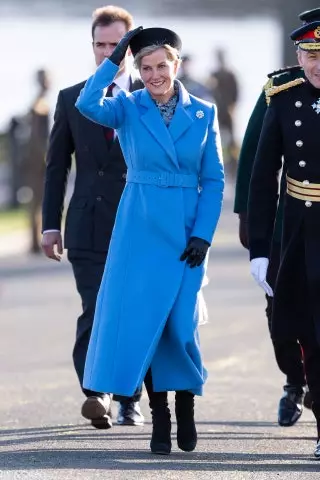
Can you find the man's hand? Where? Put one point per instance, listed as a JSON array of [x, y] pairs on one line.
[[49, 241], [243, 230], [259, 268]]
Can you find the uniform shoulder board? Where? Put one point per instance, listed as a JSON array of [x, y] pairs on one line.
[[266, 88], [280, 88], [294, 68]]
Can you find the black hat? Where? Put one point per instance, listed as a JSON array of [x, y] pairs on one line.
[[154, 36], [310, 15], [307, 37]]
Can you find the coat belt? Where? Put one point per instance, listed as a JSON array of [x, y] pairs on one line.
[[303, 190], [163, 179]]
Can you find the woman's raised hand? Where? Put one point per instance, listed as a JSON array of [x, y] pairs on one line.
[[119, 52]]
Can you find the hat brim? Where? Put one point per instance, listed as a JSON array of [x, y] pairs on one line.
[[304, 29], [154, 36]]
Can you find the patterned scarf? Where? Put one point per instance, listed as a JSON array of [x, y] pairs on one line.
[[167, 109]]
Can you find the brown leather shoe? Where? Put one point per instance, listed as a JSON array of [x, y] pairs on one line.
[[98, 410]]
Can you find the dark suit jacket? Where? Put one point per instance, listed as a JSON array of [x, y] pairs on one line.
[[100, 176]]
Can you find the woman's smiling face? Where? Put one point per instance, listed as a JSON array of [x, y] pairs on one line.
[[158, 73]]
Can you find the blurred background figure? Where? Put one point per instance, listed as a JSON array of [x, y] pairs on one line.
[[191, 84], [224, 88], [33, 168]]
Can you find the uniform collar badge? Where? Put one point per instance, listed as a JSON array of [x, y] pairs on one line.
[[200, 113], [316, 106]]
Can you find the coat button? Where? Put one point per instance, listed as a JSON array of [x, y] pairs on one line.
[[305, 182], [302, 163], [299, 143], [124, 176], [101, 173], [308, 203], [298, 123], [298, 104], [99, 199]]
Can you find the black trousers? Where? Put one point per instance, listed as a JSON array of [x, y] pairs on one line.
[[88, 267], [294, 298], [288, 353]]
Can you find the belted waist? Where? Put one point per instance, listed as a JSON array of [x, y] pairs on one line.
[[163, 179], [305, 190]]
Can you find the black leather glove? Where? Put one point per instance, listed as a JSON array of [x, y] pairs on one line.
[[119, 52], [195, 252], [243, 230]]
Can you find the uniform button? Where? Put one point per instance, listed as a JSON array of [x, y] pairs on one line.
[[124, 176], [299, 143], [101, 173], [302, 163], [308, 203], [298, 104], [298, 123], [99, 199], [305, 182]]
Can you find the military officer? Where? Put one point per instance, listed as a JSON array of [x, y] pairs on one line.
[[290, 405], [289, 359], [290, 129]]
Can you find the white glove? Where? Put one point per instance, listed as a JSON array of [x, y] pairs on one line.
[[259, 267]]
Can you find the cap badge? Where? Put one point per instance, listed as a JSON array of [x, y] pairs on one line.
[[316, 106], [317, 32]]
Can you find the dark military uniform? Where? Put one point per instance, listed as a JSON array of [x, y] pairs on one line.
[[288, 354], [252, 135], [290, 130]]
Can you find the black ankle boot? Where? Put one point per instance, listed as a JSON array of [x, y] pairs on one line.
[[161, 427], [161, 422], [186, 429], [161, 418]]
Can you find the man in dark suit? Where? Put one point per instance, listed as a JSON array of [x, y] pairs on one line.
[[100, 179]]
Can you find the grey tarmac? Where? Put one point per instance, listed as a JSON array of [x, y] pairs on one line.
[[44, 437]]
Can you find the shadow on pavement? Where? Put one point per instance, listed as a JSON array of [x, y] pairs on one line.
[[140, 458], [90, 459]]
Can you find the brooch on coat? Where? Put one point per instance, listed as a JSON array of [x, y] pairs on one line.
[[316, 106], [199, 114]]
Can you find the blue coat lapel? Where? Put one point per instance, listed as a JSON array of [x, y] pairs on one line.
[[156, 126], [182, 120]]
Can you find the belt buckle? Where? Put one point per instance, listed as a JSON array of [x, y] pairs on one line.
[[163, 180]]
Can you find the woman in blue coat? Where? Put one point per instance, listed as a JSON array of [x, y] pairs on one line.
[[149, 303]]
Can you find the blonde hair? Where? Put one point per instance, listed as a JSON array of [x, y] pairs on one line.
[[172, 53]]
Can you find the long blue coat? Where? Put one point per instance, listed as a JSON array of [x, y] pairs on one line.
[[147, 309]]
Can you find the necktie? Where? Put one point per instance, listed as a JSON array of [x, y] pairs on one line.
[[108, 131]]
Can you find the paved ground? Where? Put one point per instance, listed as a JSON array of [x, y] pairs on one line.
[[42, 435]]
